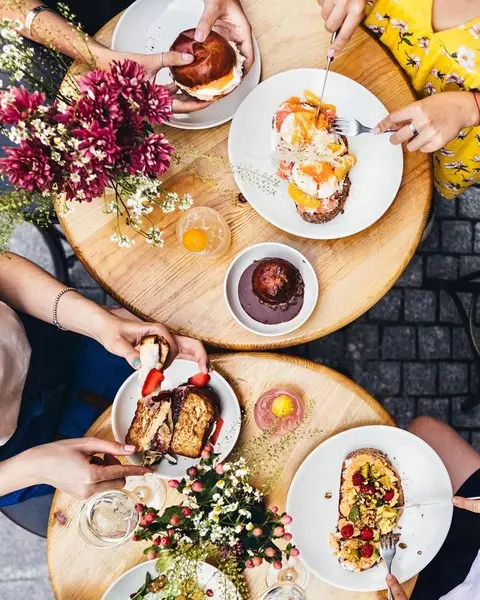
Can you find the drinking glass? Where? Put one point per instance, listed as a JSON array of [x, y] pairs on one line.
[[109, 518], [203, 231], [292, 572], [284, 591]]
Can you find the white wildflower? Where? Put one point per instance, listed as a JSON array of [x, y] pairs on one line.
[[249, 526], [465, 58], [221, 483]]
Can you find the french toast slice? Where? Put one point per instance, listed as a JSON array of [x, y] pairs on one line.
[[194, 422], [324, 216]]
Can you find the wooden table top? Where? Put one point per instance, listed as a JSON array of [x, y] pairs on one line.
[[183, 291], [333, 404]]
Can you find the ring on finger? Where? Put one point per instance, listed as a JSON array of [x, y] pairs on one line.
[[413, 129]]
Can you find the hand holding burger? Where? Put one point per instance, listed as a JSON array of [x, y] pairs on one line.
[[229, 20]]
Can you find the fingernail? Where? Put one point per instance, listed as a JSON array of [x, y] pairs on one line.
[[136, 362], [455, 501], [389, 578], [376, 130], [187, 57], [199, 36], [129, 448], [331, 53]]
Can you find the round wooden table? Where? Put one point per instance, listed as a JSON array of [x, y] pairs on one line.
[[333, 404], [183, 291]]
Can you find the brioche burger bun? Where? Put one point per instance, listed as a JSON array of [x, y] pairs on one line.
[[217, 68]]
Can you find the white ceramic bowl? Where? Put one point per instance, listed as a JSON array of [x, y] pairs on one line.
[[243, 260]]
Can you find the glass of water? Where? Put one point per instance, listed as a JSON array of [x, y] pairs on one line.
[[109, 518], [284, 591]]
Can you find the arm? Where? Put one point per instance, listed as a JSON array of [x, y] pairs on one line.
[[68, 466], [29, 289], [52, 30]]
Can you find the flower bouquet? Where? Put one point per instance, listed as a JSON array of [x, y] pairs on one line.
[[95, 136], [223, 517]]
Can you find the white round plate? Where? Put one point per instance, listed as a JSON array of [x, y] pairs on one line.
[[125, 404], [266, 250], [375, 178], [207, 576], [151, 26], [424, 479]]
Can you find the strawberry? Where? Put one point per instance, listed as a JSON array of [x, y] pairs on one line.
[[152, 382], [389, 495], [358, 478], [199, 380], [216, 433], [347, 531], [366, 533], [367, 550]]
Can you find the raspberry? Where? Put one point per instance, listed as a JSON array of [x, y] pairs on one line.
[[367, 550], [347, 531], [358, 479], [389, 495], [366, 533], [367, 488]]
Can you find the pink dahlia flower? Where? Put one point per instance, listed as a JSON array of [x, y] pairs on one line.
[[98, 142], [126, 78], [152, 157], [156, 104], [17, 104], [105, 109], [28, 166]]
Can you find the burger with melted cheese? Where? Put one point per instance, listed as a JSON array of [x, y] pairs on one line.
[[217, 68]]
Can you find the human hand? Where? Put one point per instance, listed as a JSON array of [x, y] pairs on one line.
[[229, 20], [395, 588], [122, 336], [438, 119], [70, 466], [343, 16], [466, 504]]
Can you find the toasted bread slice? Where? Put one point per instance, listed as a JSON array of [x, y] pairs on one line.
[[148, 421], [374, 503], [322, 216], [194, 423]]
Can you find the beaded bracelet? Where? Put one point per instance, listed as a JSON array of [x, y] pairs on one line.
[[55, 307]]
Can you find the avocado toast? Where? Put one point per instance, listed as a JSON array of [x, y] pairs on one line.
[[370, 505]]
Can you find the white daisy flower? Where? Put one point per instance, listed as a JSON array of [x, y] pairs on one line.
[[475, 30], [465, 58]]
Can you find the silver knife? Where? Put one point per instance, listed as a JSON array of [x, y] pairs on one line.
[[329, 62]]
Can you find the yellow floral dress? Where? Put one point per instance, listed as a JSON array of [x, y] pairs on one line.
[[435, 62]]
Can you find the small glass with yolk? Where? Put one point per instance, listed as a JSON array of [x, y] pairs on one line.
[[204, 232]]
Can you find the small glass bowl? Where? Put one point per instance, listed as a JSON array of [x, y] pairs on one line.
[[212, 223], [267, 421]]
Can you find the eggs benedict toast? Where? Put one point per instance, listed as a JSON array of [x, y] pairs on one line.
[[313, 159], [371, 501]]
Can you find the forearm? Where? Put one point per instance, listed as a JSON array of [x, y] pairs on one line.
[[29, 289], [52, 30], [17, 473]]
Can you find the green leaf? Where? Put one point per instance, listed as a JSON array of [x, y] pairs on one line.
[[354, 513], [407, 41]]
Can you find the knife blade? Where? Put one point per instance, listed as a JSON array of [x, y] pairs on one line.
[[327, 71]]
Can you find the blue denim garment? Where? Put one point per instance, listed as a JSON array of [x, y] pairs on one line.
[[62, 365]]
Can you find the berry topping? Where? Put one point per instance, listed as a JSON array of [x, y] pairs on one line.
[[389, 495], [358, 479], [366, 533], [367, 488], [367, 550], [347, 531]]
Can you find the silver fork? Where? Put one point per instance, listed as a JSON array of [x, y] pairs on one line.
[[352, 127], [388, 547]]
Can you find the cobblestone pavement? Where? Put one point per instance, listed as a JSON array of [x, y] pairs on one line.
[[409, 351]]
